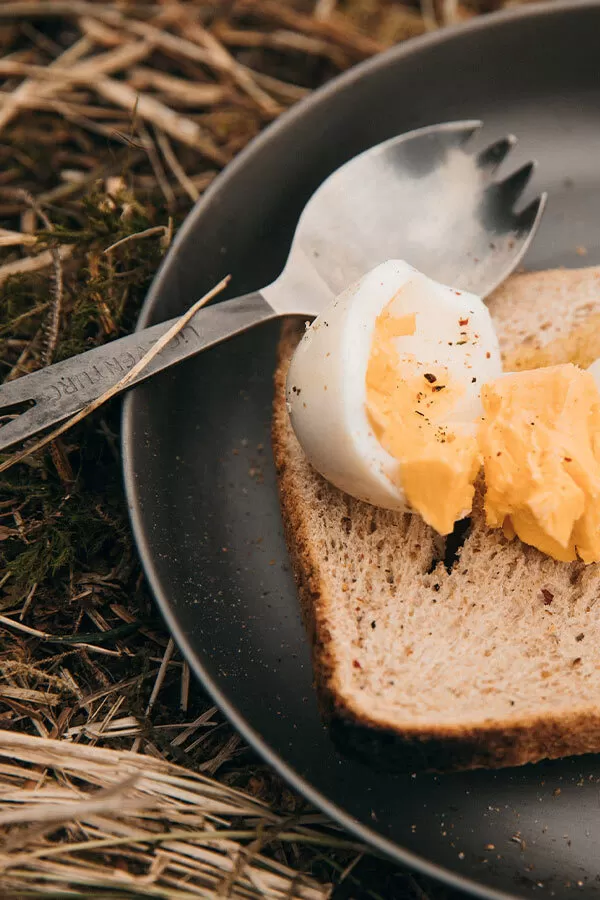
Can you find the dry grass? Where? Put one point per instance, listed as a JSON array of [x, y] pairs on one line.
[[85, 818], [118, 776]]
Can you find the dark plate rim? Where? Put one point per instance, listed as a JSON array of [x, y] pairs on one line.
[[415, 45]]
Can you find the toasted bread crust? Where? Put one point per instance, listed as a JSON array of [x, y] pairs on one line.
[[377, 739], [303, 555]]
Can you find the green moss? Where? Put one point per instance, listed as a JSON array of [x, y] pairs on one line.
[[65, 527], [18, 295]]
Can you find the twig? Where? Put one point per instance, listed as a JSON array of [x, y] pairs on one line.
[[51, 334], [27, 696], [283, 89], [200, 182], [220, 58], [60, 71], [175, 166], [203, 720], [30, 87], [185, 687], [148, 232], [47, 80], [161, 676], [204, 835], [98, 172], [28, 601], [205, 50], [324, 9], [126, 616], [116, 60], [15, 238], [226, 752], [41, 40], [343, 34], [104, 725], [19, 367], [156, 688], [88, 699], [70, 8], [285, 40], [450, 12], [33, 263], [121, 385], [80, 113], [157, 166], [179, 89], [52, 326], [102, 800], [351, 865], [78, 117], [428, 13], [34, 632], [180, 127], [101, 33], [14, 323]]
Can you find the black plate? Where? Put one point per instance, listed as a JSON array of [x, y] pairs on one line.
[[202, 491]]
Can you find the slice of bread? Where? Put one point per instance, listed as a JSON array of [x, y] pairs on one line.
[[458, 653]]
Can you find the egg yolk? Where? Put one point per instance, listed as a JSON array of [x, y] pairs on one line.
[[540, 442], [407, 403]]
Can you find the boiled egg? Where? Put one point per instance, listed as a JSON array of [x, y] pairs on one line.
[[540, 443], [383, 392]]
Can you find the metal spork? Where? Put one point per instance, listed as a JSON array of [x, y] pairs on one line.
[[420, 197]]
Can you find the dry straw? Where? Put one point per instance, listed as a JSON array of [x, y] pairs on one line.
[[77, 818]]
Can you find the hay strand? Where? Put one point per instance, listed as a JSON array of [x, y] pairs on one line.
[[170, 828]]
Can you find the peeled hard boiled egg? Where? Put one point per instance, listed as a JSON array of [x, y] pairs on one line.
[[383, 392]]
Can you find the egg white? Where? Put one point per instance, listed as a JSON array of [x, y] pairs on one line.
[[326, 383], [594, 368]]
